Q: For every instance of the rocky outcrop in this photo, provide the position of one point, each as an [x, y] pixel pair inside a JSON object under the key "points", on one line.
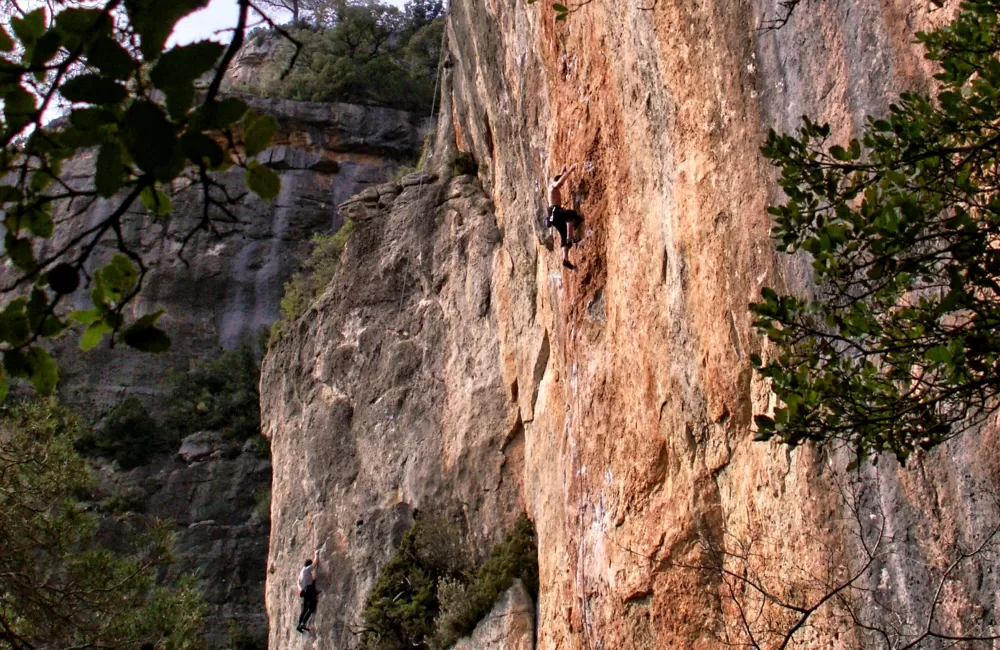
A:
{"points": [[456, 364], [509, 626]]}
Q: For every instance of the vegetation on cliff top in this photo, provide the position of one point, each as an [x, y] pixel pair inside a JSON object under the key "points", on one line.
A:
{"points": [[133, 101], [899, 348], [317, 271], [59, 586], [359, 52], [426, 596]]}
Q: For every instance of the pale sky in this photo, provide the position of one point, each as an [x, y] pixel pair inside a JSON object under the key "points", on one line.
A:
{"points": [[205, 23]]}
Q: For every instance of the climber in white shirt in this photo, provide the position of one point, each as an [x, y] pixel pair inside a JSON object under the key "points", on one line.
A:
{"points": [[308, 593]]}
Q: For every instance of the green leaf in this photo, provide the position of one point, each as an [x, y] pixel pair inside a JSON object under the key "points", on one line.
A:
{"points": [[938, 354], [109, 173], [91, 118], [181, 65], [263, 181], [258, 131], [145, 337], [20, 252], [44, 50], [19, 108], [93, 89], [116, 279], [199, 148], [6, 42], [151, 140], [86, 316], [29, 28], [560, 8], [93, 335], [111, 59], [156, 201], [179, 100], [76, 22], [16, 364], [153, 20], [40, 221], [44, 374], [220, 114]]}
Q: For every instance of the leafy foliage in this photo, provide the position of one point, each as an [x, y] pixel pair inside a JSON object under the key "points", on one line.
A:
{"points": [[426, 596], [58, 586], [221, 394], [129, 435], [400, 610], [372, 53], [464, 603], [900, 346], [464, 163], [317, 271], [134, 103]]}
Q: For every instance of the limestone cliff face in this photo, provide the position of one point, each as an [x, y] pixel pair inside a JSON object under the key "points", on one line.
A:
{"points": [[223, 291], [228, 286], [455, 364]]}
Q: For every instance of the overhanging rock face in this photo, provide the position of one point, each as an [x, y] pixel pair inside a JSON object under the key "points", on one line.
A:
{"points": [[615, 401]]}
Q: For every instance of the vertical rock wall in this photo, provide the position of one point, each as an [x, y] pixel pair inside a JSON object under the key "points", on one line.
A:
{"points": [[625, 385]]}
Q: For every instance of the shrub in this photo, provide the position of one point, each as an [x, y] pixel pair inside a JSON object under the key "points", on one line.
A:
{"points": [[463, 604], [464, 163], [399, 613], [317, 271], [129, 435], [427, 597], [125, 500], [373, 54], [219, 395], [262, 503]]}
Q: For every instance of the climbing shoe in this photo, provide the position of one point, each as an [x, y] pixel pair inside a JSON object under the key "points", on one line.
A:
{"points": [[568, 265]]}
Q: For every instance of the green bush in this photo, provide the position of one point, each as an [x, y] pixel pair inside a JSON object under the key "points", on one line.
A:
{"points": [[129, 435], [427, 597], [400, 611], [262, 503], [464, 163], [374, 53], [317, 271], [125, 500], [463, 604], [217, 395]]}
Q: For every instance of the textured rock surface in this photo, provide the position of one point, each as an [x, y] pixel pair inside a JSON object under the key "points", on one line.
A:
{"points": [[222, 530], [386, 396], [228, 288], [224, 291], [625, 387], [509, 626]]}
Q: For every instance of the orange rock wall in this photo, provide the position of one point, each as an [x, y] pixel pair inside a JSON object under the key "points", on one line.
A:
{"points": [[632, 373]]}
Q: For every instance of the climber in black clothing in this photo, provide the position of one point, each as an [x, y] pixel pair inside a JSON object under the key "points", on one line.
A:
{"points": [[559, 217]]}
